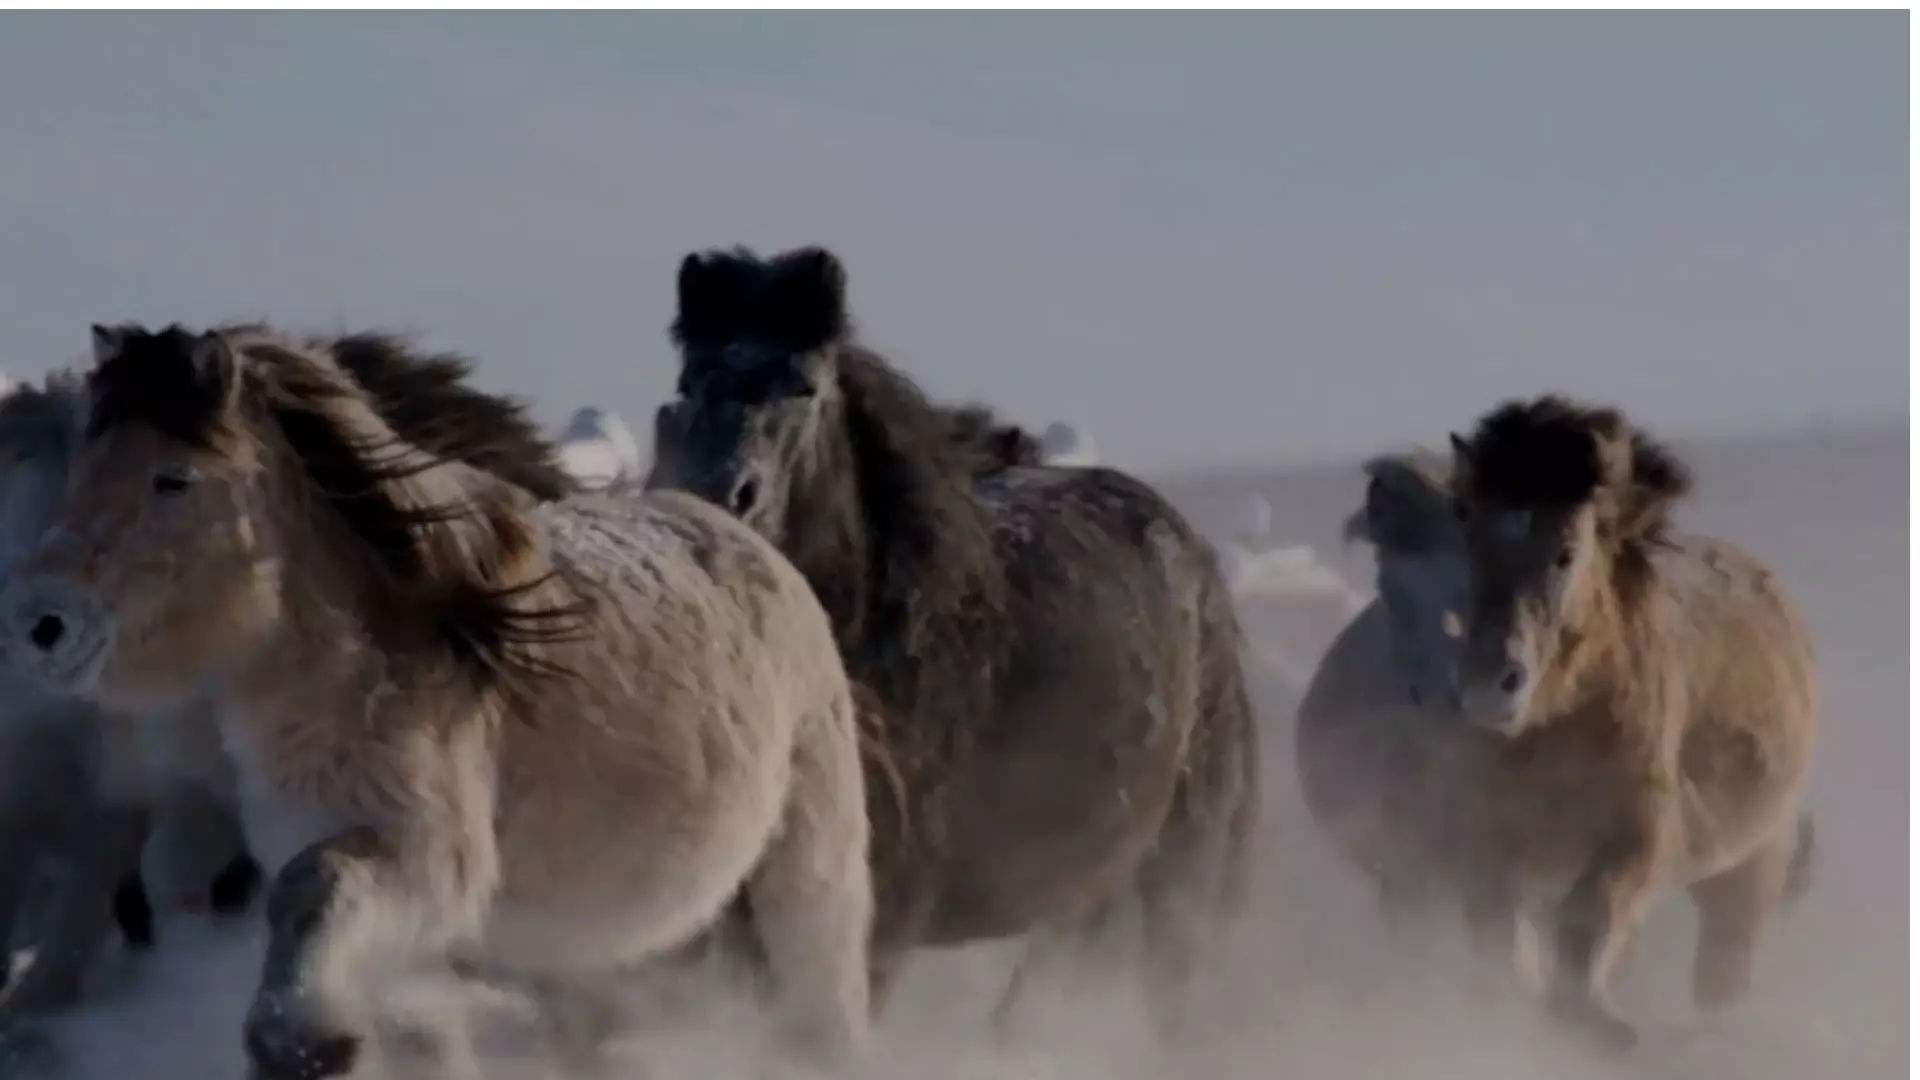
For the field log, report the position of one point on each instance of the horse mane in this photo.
(454, 548)
(428, 399)
(1408, 508)
(41, 419)
(999, 445)
(932, 542)
(1555, 454)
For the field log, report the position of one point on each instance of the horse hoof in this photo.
(234, 887)
(1597, 1026)
(27, 1052)
(1717, 989)
(287, 1040)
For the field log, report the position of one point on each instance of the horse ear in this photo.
(1462, 450)
(713, 291)
(1357, 528)
(698, 302)
(108, 341)
(217, 367)
(807, 299)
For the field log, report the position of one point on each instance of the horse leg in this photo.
(1041, 949)
(23, 849)
(1734, 906)
(1196, 879)
(344, 905)
(80, 921)
(197, 858)
(1593, 925)
(431, 1039)
(888, 948)
(1186, 893)
(1399, 894)
(812, 893)
(133, 911)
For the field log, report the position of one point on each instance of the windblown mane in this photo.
(932, 542)
(1554, 454)
(469, 596)
(1408, 508)
(998, 445)
(1551, 453)
(429, 401)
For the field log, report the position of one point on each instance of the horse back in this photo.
(1098, 671)
(1737, 649)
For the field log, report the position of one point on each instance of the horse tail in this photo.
(1800, 870)
(1226, 705)
(1206, 842)
(878, 759)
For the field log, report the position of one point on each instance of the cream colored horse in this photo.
(551, 741)
(81, 788)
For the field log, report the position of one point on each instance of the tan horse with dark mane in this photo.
(1657, 696)
(550, 741)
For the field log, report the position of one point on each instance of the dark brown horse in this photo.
(1053, 651)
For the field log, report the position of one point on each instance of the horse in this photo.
(1654, 698)
(436, 694)
(1054, 648)
(151, 805)
(1383, 765)
(74, 800)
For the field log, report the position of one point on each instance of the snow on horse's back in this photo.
(598, 449)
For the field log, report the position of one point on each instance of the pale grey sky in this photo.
(1206, 237)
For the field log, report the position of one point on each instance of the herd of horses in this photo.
(850, 674)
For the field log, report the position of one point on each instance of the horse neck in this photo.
(1617, 655)
(330, 593)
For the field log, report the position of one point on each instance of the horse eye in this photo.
(170, 483)
(1564, 559)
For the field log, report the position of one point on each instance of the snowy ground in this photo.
(1313, 988)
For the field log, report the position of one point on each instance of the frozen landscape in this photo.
(1312, 985)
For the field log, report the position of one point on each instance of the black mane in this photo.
(931, 542)
(1543, 453)
(795, 299)
(999, 445)
(1551, 453)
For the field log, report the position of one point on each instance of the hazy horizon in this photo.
(1204, 238)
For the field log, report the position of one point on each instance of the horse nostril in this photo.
(47, 632)
(744, 495)
(1511, 681)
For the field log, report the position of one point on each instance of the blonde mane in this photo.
(452, 549)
